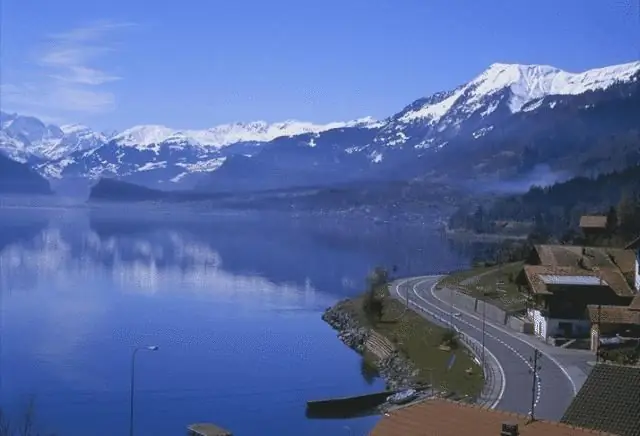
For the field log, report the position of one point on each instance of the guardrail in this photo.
(492, 380)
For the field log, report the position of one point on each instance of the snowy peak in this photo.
(523, 83)
(143, 135)
(23, 137)
(531, 82)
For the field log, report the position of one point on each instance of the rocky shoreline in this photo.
(396, 370)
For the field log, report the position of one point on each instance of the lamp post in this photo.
(133, 379)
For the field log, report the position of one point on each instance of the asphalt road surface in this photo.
(554, 389)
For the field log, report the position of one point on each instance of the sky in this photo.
(194, 64)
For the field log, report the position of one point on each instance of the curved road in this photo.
(554, 390)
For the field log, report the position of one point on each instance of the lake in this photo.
(233, 301)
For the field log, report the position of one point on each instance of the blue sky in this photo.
(198, 63)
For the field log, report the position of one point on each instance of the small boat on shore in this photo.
(403, 397)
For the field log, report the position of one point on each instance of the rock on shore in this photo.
(396, 370)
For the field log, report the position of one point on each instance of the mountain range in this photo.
(502, 124)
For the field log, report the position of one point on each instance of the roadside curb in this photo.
(505, 331)
(494, 379)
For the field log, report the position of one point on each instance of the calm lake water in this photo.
(232, 300)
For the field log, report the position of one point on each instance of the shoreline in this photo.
(397, 370)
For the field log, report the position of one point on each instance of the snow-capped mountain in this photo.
(486, 115)
(160, 156)
(25, 138)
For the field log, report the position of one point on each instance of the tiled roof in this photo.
(439, 417)
(613, 315)
(623, 258)
(608, 401)
(593, 221)
(536, 276)
(634, 244)
(574, 256)
(533, 274)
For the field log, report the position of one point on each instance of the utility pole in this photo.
(535, 368)
(598, 336)
(483, 329)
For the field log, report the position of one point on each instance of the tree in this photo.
(628, 214)
(369, 372)
(612, 220)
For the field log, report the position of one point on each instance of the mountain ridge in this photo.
(430, 127)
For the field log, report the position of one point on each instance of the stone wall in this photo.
(396, 370)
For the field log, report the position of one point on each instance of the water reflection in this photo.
(233, 301)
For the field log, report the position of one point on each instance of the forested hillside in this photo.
(555, 211)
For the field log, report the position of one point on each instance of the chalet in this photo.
(635, 246)
(439, 417)
(593, 225)
(560, 297)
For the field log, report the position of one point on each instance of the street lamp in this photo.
(133, 378)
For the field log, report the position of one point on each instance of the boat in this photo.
(403, 396)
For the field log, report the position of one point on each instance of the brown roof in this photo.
(612, 276)
(613, 314)
(439, 417)
(634, 244)
(578, 256)
(625, 259)
(635, 303)
(593, 221)
(537, 286)
(609, 400)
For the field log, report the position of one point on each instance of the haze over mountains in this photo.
(500, 125)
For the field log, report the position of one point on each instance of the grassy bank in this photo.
(420, 342)
(496, 284)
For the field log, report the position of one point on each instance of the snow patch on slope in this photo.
(227, 134)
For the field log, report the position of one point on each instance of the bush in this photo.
(450, 338)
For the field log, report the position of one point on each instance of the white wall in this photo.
(545, 327)
(637, 269)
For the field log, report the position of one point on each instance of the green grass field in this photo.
(482, 282)
(420, 340)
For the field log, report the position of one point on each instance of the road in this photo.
(555, 388)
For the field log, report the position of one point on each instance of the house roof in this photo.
(613, 315)
(578, 256)
(540, 276)
(635, 303)
(634, 244)
(608, 401)
(438, 417)
(593, 221)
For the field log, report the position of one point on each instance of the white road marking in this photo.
(547, 355)
(491, 355)
(513, 350)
